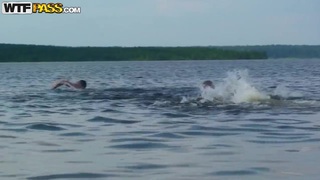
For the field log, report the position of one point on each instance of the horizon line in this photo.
(158, 46)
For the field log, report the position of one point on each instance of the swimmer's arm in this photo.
(61, 83)
(69, 84)
(57, 84)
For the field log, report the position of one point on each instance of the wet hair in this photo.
(83, 83)
(208, 83)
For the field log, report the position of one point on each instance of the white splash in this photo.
(235, 88)
(284, 92)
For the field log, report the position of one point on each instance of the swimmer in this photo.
(82, 84)
(208, 83)
(206, 91)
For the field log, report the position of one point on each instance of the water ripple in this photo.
(157, 126)
(201, 133)
(167, 135)
(251, 171)
(141, 146)
(234, 173)
(45, 126)
(75, 134)
(144, 166)
(72, 176)
(111, 120)
(59, 150)
(136, 139)
(283, 141)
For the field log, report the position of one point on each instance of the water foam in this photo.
(235, 88)
(284, 92)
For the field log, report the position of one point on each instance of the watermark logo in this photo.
(16, 8)
(31, 8)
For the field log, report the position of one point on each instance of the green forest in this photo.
(38, 53)
(281, 51)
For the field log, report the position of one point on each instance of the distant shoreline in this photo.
(42, 53)
(39, 53)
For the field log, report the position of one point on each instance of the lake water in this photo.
(145, 120)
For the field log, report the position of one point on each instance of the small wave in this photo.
(284, 141)
(42, 143)
(141, 145)
(43, 126)
(245, 172)
(75, 134)
(79, 162)
(176, 115)
(71, 175)
(234, 173)
(168, 135)
(60, 151)
(7, 137)
(111, 121)
(145, 166)
(202, 133)
(135, 140)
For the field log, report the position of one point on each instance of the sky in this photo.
(169, 23)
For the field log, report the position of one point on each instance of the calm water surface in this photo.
(144, 120)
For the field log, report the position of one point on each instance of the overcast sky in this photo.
(169, 23)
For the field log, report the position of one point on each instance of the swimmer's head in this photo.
(83, 84)
(207, 83)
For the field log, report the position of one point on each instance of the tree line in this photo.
(39, 53)
(281, 51)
